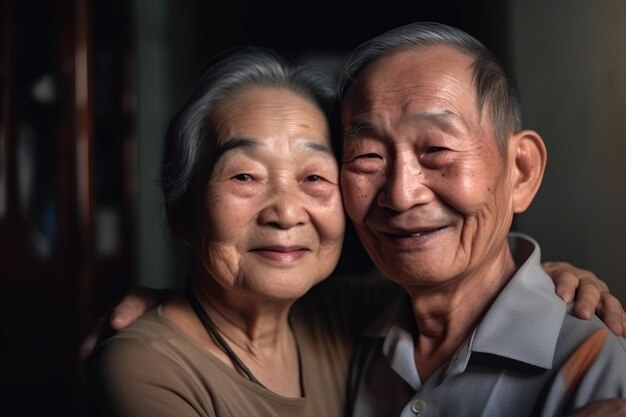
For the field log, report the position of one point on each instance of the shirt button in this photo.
(417, 406)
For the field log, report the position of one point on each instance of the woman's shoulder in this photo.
(136, 343)
(151, 349)
(152, 325)
(147, 368)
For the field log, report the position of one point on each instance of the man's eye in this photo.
(369, 156)
(243, 177)
(434, 149)
(314, 178)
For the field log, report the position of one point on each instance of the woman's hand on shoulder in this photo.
(589, 293)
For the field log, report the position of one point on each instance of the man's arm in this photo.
(133, 305)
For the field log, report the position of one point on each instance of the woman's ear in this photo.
(529, 156)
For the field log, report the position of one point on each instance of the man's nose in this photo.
(285, 207)
(404, 187)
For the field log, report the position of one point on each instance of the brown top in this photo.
(154, 369)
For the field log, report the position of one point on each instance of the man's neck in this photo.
(446, 315)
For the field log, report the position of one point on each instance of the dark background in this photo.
(87, 88)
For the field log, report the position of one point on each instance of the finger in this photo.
(567, 278)
(128, 310)
(587, 299)
(612, 313)
(89, 343)
(134, 305)
(566, 284)
(87, 346)
(620, 328)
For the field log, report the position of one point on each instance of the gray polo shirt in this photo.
(529, 356)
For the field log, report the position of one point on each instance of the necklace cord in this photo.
(212, 329)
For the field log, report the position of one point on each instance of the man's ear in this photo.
(529, 156)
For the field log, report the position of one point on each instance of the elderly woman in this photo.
(250, 185)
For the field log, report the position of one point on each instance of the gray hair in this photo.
(190, 131)
(494, 88)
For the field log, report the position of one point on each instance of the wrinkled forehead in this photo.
(268, 113)
(406, 67)
(435, 76)
(412, 69)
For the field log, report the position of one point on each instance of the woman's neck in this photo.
(256, 331)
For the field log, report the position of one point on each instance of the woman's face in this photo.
(273, 221)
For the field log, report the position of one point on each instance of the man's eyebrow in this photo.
(445, 120)
(354, 128)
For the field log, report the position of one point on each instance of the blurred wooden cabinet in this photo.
(67, 190)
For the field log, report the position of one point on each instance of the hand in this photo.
(592, 295)
(133, 305)
(614, 407)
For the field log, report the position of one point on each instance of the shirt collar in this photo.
(522, 324)
(524, 321)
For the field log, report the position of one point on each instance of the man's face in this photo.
(422, 177)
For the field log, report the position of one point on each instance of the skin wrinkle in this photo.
(409, 164)
(226, 260)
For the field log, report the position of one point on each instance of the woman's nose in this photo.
(285, 207)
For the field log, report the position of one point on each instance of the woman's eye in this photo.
(243, 177)
(314, 178)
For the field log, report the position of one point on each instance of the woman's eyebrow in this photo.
(236, 142)
(240, 142)
(316, 147)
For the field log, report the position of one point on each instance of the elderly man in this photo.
(435, 165)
